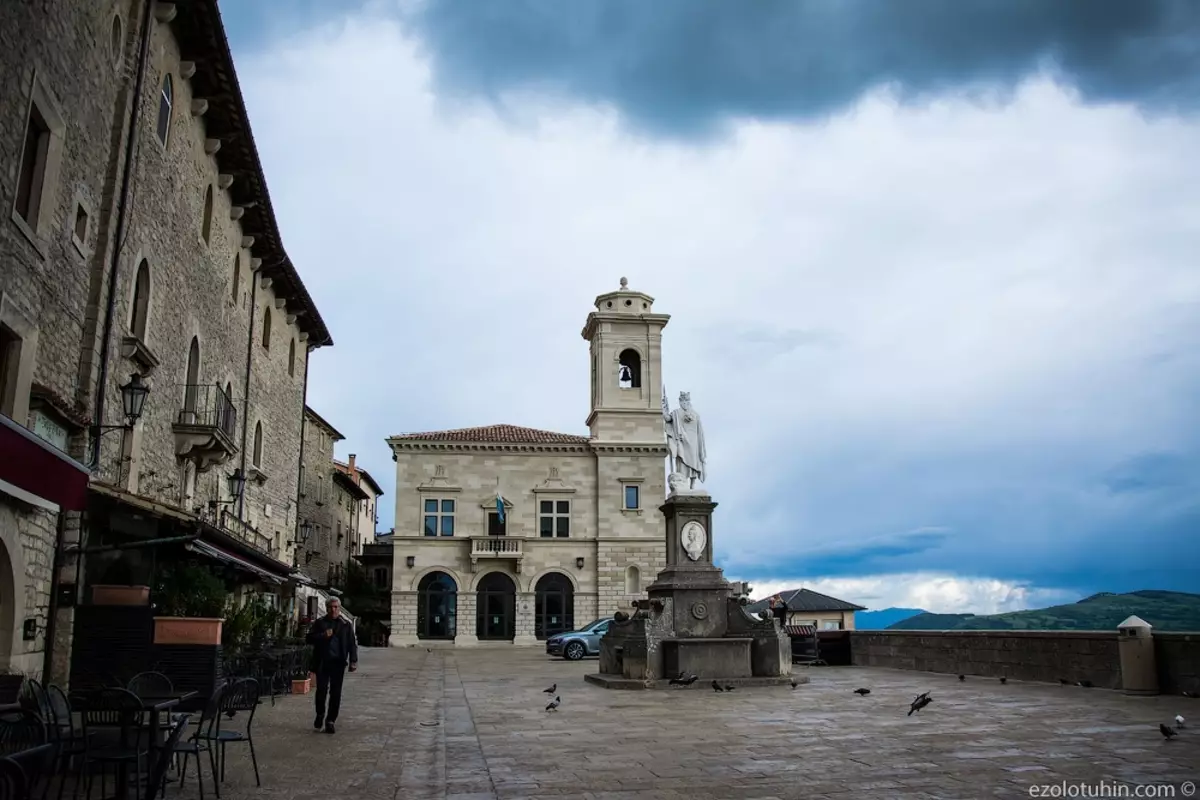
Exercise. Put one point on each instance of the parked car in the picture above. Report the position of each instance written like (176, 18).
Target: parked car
(574, 645)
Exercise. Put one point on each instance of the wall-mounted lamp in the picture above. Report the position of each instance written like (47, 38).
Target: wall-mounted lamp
(133, 402)
(411, 561)
(237, 485)
(579, 562)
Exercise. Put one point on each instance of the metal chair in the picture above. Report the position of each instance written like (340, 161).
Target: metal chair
(13, 784)
(117, 710)
(156, 782)
(239, 696)
(69, 738)
(20, 732)
(200, 742)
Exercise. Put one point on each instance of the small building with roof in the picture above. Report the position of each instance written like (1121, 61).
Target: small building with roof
(806, 607)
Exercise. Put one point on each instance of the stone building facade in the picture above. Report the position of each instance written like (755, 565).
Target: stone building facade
(139, 237)
(317, 497)
(581, 534)
(368, 512)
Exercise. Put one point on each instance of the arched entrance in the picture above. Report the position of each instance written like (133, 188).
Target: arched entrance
(495, 607)
(437, 606)
(8, 606)
(554, 599)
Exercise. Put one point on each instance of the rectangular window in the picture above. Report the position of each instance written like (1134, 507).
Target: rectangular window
(81, 224)
(439, 517)
(554, 519)
(495, 526)
(10, 364)
(31, 180)
(831, 625)
(632, 501)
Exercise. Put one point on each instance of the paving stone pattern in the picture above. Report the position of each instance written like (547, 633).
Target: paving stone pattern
(469, 724)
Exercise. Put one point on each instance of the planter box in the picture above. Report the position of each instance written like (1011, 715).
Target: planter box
(302, 687)
(187, 630)
(121, 595)
(10, 688)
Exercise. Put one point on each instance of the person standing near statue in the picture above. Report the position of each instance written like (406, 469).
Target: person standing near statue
(685, 442)
(332, 639)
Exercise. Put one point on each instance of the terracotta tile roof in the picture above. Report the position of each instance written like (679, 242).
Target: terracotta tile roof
(498, 434)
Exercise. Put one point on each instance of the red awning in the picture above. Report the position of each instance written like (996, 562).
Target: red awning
(37, 472)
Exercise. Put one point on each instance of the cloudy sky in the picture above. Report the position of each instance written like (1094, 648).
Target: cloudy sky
(933, 267)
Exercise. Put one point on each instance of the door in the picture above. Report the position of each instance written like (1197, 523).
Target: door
(495, 604)
(437, 606)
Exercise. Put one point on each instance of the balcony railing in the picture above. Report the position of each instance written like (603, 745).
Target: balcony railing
(208, 406)
(246, 532)
(496, 547)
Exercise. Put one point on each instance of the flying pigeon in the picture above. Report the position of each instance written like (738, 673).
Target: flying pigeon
(729, 687)
(1179, 721)
(1166, 732)
(1191, 694)
(683, 680)
(553, 688)
(920, 703)
(554, 704)
(862, 692)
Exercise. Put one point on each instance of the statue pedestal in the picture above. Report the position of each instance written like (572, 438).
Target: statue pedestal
(690, 622)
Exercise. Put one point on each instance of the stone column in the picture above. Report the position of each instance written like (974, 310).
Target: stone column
(465, 621)
(525, 609)
(404, 620)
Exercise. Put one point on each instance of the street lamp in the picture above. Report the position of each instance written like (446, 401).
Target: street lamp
(237, 485)
(133, 398)
(133, 402)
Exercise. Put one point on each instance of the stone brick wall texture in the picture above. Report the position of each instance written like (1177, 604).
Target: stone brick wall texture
(1044, 656)
(317, 503)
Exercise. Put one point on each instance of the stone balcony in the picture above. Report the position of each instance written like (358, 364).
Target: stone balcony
(205, 428)
(491, 548)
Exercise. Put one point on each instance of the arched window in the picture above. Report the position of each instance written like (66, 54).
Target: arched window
(191, 387)
(629, 371)
(266, 340)
(166, 98)
(633, 580)
(141, 301)
(116, 39)
(292, 357)
(258, 444)
(206, 219)
(237, 277)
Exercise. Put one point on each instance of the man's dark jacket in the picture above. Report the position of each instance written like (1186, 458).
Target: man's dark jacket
(342, 644)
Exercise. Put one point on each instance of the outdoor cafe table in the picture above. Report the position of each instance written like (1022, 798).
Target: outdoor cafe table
(154, 704)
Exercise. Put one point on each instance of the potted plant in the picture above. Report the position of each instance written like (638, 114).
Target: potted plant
(116, 587)
(189, 606)
(11, 683)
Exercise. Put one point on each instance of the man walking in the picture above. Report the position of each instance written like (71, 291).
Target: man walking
(333, 644)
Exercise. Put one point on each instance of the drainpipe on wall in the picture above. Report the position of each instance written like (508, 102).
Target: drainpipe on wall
(135, 116)
(246, 384)
(300, 467)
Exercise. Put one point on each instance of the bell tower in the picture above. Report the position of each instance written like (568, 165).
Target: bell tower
(626, 351)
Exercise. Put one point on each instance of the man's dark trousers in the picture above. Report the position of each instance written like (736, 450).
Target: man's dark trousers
(330, 675)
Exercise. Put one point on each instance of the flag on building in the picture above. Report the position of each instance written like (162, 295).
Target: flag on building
(499, 506)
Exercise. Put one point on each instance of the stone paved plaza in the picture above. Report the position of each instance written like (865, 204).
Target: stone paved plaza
(470, 724)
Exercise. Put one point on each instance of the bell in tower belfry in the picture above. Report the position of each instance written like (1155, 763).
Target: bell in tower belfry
(626, 351)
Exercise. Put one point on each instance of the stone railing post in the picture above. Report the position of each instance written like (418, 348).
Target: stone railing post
(1139, 669)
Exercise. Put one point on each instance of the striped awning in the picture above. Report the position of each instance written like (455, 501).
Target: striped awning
(217, 554)
(800, 630)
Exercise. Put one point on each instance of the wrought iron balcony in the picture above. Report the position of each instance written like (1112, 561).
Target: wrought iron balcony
(246, 532)
(497, 547)
(206, 427)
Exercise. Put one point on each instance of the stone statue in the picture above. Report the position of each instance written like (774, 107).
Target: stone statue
(685, 443)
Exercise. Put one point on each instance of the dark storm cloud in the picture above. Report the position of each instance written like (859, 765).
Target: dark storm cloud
(683, 67)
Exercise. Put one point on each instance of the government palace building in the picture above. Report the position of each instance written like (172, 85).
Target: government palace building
(511, 534)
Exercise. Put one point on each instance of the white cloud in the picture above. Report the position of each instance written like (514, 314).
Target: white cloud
(894, 320)
(941, 594)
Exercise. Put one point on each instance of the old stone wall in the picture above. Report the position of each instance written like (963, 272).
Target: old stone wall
(1044, 656)
(317, 504)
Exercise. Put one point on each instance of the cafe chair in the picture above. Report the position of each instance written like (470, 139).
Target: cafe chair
(156, 783)
(119, 711)
(23, 739)
(238, 697)
(67, 736)
(201, 742)
(13, 785)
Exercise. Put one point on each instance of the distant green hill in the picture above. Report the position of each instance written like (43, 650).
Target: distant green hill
(1166, 611)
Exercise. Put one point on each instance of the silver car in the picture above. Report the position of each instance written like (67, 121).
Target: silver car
(574, 645)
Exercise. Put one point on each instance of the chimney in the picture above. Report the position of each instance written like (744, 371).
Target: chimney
(352, 469)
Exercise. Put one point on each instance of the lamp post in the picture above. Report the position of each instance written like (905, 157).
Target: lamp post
(303, 532)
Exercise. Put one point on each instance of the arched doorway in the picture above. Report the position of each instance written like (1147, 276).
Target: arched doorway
(554, 600)
(495, 607)
(437, 606)
(8, 606)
